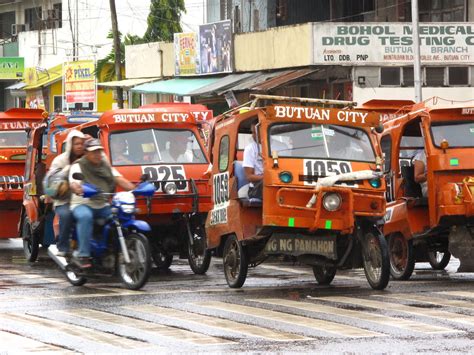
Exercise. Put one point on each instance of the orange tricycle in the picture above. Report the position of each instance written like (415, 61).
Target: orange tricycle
(322, 197)
(14, 125)
(429, 162)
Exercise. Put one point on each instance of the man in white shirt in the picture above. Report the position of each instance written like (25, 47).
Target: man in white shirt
(253, 165)
(98, 172)
(420, 171)
(178, 151)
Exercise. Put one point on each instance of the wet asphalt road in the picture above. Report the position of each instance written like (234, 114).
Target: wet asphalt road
(279, 309)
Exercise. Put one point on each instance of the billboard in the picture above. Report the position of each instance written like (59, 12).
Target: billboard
(215, 42)
(206, 52)
(79, 81)
(186, 52)
(12, 68)
(392, 43)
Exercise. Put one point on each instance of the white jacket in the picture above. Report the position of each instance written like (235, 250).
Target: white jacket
(62, 160)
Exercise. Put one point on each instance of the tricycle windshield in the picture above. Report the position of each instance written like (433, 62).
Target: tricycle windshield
(457, 134)
(12, 139)
(304, 140)
(155, 146)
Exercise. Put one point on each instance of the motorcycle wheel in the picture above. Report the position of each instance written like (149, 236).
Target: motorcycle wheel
(375, 259)
(235, 262)
(439, 260)
(324, 274)
(199, 256)
(135, 274)
(402, 256)
(30, 241)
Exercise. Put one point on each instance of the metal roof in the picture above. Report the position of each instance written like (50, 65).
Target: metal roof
(222, 84)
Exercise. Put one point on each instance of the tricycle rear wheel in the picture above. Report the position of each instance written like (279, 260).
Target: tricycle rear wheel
(439, 260)
(324, 274)
(375, 259)
(235, 262)
(402, 257)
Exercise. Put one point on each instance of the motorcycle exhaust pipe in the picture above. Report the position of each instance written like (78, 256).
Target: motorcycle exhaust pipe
(60, 260)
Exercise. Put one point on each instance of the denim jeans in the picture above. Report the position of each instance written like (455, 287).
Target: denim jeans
(65, 225)
(84, 216)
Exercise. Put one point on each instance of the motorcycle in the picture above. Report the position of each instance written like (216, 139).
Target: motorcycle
(118, 244)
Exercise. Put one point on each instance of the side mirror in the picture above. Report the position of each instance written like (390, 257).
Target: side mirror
(78, 176)
(379, 128)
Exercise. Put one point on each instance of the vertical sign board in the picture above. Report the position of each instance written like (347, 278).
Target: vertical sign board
(392, 43)
(186, 52)
(79, 82)
(12, 68)
(215, 40)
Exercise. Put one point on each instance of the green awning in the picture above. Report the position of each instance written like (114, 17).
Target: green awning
(180, 87)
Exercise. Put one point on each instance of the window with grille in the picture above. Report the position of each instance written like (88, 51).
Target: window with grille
(434, 76)
(442, 10)
(390, 76)
(33, 18)
(458, 76)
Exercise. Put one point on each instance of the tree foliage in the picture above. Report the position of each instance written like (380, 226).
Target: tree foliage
(164, 20)
(105, 69)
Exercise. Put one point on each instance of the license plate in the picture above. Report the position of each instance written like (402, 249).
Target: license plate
(302, 244)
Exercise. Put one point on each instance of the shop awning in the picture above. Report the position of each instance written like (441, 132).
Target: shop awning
(283, 78)
(221, 85)
(180, 87)
(17, 86)
(46, 77)
(252, 81)
(127, 83)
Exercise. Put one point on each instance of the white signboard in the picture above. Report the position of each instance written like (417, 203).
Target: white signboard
(392, 43)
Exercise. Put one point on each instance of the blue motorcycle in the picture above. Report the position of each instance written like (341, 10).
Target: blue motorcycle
(118, 244)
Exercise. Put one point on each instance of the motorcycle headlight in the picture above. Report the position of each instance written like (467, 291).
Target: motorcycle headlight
(332, 201)
(170, 188)
(128, 208)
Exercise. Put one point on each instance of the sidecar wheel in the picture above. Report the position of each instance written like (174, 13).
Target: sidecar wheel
(30, 241)
(135, 274)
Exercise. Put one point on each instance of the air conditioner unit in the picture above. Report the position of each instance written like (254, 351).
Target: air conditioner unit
(19, 27)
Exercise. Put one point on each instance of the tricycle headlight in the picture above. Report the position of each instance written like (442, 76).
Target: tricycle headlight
(332, 201)
(286, 177)
(126, 208)
(170, 188)
(375, 183)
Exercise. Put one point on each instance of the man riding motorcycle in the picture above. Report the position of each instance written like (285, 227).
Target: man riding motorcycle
(96, 171)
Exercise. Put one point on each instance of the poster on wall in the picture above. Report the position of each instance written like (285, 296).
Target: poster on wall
(79, 82)
(392, 43)
(215, 41)
(34, 99)
(186, 52)
(12, 68)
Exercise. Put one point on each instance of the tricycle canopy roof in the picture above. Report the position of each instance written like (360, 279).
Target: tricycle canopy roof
(21, 118)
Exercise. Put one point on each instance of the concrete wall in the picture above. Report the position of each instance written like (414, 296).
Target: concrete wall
(281, 47)
(149, 60)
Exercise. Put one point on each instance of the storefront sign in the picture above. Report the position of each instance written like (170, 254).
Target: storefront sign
(79, 81)
(186, 51)
(392, 43)
(12, 68)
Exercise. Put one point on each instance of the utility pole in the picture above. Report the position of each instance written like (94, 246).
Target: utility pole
(118, 59)
(416, 51)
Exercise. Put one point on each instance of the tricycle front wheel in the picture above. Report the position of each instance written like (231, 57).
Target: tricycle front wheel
(439, 260)
(324, 274)
(375, 259)
(235, 262)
